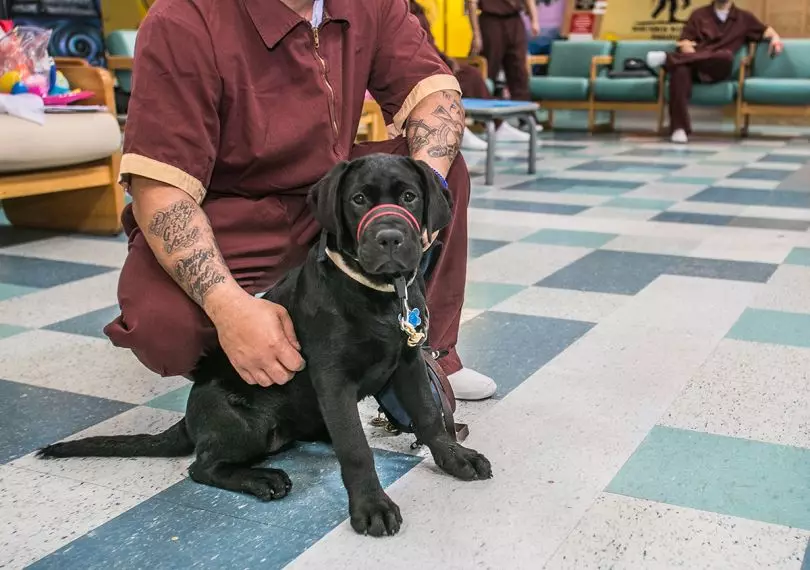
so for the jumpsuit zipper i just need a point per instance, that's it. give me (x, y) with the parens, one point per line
(329, 89)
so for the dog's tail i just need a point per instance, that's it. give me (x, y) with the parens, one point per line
(174, 442)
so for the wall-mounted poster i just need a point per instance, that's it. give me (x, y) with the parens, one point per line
(646, 19)
(76, 25)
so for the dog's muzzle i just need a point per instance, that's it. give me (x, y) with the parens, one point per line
(389, 238)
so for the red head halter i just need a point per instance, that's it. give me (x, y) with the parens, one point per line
(383, 210)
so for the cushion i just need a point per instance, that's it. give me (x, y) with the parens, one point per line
(122, 43)
(638, 48)
(573, 58)
(636, 90)
(762, 91)
(558, 88)
(711, 94)
(64, 140)
(792, 63)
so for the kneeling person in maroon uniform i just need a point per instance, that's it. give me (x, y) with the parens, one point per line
(710, 38)
(237, 109)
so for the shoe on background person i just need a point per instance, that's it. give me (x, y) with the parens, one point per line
(679, 136)
(470, 385)
(508, 133)
(472, 142)
(656, 59)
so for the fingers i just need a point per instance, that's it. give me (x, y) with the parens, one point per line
(287, 326)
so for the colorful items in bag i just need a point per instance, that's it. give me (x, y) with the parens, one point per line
(26, 67)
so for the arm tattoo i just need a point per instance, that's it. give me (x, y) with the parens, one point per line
(171, 225)
(441, 132)
(199, 271)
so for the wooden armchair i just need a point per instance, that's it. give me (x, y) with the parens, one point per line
(82, 198)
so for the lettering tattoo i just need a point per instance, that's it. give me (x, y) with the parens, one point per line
(199, 271)
(173, 225)
(440, 134)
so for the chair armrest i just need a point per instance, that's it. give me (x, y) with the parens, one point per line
(119, 63)
(70, 62)
(476, 61)
(599, 61)
(94, 79)
(533, 60)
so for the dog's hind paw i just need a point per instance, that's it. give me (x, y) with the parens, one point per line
(375, 515)
(463, 463)
(267, 484)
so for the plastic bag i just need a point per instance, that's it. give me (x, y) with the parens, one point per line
(25, 65)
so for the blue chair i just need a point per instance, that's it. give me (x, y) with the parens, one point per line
(775, 86)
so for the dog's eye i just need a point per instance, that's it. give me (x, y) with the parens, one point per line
(409, 197)
(359, 199)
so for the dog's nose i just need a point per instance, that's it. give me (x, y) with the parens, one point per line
(390, 239)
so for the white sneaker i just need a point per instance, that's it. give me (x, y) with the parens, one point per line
(679, 136)
(471, 385)
(656, 58)
(508, 133)
(472, 142)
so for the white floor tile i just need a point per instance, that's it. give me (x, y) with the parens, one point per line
(562, 304)
(78, 250)
(522, 263)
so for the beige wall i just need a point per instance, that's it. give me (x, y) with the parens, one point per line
(791, 18)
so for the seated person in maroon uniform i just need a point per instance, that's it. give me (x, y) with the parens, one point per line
(237, 109)
(710, 38)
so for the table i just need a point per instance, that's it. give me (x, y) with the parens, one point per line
(488, 111)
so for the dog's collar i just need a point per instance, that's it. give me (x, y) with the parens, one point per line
(341, 264)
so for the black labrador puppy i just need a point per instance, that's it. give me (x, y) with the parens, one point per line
(358, 332)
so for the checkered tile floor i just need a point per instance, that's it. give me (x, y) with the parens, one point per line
(644, 308)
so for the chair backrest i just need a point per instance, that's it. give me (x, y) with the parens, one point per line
(792, 63)
(573, 59)
(738, 58)
(122, 43)
(627, 49)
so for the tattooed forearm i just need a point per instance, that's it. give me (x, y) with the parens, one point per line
(199, 271)
(181, 238)
(436, 127)
(173, 225)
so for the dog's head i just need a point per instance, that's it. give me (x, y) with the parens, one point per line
(377, 208)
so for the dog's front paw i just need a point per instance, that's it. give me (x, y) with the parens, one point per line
(375, 514)
(466, 464)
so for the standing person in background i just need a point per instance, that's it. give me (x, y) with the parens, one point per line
(472, 86)
(499, 35)
(710, 38)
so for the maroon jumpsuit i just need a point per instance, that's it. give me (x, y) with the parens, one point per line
(503, 35)
(244, 106)
(717, 42)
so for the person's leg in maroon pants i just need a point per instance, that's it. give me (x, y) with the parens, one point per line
(684, 69)
(514, 59)
(493, 44)
(472, 82)
(260, 240)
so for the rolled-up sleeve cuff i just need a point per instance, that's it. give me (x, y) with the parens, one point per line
(140, 165)
(427, 86)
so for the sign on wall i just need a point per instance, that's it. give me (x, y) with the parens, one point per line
(646, 19)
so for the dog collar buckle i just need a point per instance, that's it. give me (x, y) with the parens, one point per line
(410, 319)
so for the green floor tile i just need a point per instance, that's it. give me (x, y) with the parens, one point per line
(174, 401)
(483, 296)
(726, 475)
(7, 291)
(639, 204)
(772, 327)
(571, 238)
(9, 330)
(799, 256)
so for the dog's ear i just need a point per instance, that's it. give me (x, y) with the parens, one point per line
(326, 200)
(437, 212)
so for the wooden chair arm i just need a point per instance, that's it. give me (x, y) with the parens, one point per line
(94, 79)
(476, 61)
(119, 63)
(599, 61)
(533, 60)
(70, 62)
